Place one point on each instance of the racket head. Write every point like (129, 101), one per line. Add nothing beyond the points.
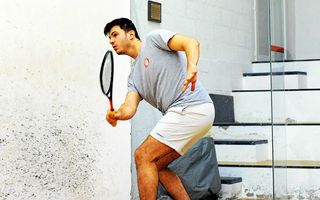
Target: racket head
(106, 75)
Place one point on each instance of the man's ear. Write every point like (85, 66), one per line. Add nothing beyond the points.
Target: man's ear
(131, 34)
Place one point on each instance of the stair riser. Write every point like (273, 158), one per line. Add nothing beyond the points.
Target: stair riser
(255, 106)
(242, 153)
(241, 132)
(230, 190)
(302, 143)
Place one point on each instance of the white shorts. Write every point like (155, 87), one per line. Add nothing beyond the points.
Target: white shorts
(181, 127)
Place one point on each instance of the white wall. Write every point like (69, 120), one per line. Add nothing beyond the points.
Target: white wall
(54, 141)
(307, 29)
(303, 29)
(290, 30)
(224, 29)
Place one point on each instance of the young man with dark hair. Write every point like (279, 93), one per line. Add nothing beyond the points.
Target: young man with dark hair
(165, 75)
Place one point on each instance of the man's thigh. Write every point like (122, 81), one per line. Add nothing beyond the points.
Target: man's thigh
(152, 150)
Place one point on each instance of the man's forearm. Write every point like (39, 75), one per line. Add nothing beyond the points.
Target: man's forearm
(126, 112)
(192, 50)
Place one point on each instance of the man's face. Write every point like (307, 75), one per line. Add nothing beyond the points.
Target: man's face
(119, 40)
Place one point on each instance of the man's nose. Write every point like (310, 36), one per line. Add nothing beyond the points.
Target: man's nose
(111, 41)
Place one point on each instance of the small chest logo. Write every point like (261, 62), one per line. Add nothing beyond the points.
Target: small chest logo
(146, 62)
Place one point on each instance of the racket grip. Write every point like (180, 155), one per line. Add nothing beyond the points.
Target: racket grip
(111, 105)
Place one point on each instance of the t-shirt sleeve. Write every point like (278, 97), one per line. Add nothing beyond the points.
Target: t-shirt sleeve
(160, 38)
(130, 84)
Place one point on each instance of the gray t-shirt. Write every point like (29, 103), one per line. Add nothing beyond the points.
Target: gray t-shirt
(159, 73)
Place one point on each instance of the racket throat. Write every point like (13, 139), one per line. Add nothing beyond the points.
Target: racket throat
(111, 105)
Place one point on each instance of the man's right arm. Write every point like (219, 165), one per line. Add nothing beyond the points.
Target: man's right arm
(126, 111)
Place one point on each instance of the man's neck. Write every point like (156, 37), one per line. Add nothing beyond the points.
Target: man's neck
(135, 49)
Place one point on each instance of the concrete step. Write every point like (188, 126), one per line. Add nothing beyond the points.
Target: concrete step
(236, 150)
(292, 164)
(230, 180)
(311, 67)
(289, 106)
(289, 140)
(256, 198)
(292, 178)
(231, 187)
(280, 80)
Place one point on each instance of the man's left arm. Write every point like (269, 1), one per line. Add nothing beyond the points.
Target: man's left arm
(191, 47)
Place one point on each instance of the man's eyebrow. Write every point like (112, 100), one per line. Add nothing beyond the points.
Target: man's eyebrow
(110, 34)
(113, 32)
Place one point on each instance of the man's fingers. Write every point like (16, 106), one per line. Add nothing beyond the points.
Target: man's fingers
(111, 117)
(114, 123)
(191, 79)
(117, 115)
(112, 114)
(184, 89)
(185, 86)
(193, 86)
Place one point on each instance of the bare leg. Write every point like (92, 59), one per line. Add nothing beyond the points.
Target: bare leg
(169, 179)
(150, 157)
(145, 157)
(173, 184)
(147, 181)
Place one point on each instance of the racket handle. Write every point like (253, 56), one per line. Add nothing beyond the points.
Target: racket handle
(111, 105)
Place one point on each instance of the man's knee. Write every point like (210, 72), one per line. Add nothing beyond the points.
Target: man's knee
(141, 156)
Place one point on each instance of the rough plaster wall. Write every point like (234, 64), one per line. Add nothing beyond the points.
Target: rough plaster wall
(54, 142)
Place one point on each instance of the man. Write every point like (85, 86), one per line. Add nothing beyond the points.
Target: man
(164, 75)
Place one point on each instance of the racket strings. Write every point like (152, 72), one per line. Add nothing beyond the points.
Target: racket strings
(107, 74)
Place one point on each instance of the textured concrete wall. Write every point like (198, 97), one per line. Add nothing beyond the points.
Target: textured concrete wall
(54, 141)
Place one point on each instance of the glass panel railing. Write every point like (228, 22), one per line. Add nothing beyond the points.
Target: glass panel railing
(278, 107)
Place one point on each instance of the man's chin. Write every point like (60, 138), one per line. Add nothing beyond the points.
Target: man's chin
(119, 52)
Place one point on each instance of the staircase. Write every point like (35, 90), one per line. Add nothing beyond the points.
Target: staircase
(243, 131)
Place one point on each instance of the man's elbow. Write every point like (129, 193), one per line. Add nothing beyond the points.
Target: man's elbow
(195, 42)
(198, 43)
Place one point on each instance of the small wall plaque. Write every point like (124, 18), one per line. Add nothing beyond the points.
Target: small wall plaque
(154, 11)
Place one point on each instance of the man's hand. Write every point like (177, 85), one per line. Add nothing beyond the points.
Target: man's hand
(191, 47)
(192, 71)
(112, 117)
(126, 110)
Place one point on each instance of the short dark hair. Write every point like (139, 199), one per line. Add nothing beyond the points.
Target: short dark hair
(124, 23)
